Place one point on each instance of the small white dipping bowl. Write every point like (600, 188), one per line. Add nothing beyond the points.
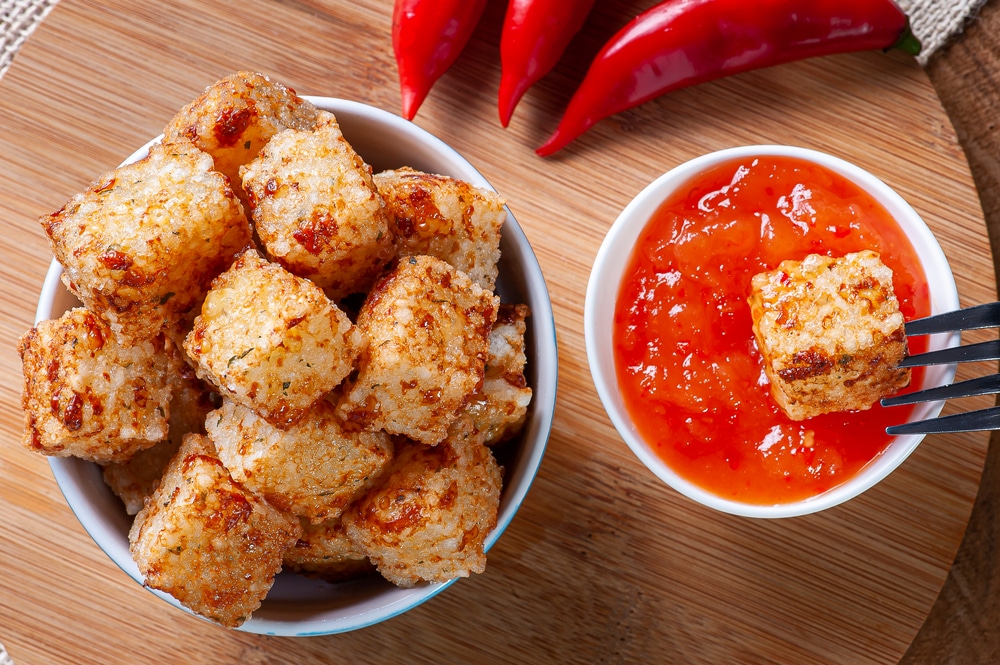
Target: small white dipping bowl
(300, 606)
(609, 270)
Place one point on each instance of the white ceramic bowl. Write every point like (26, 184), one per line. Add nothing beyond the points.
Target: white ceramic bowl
(296, 605)
(608, 272)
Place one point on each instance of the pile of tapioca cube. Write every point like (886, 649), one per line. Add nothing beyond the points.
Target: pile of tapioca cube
(281, 358)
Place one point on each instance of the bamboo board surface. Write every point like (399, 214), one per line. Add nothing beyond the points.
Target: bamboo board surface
(603, 563)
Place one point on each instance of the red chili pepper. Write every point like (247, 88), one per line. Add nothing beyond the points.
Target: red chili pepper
(679, 43)
(535, 34)
(427, 36)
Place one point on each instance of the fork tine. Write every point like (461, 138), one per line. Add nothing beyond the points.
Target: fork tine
(980, 316)
(957, 354)
(970, 421)
(982, 385)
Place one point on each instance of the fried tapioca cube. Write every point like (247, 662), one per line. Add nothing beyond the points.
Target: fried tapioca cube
(313, 468)
(324, 551)
(135, 479)
(447, 218)
(191, 399)
(88, 395)
(429, 519)
(427, 326)
(120, 241)
(500, 407)
(830, 332)
(206, 540)
(316, 210)
(236, 116)
(270, 340)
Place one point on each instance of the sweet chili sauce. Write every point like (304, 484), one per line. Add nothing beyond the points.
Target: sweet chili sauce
(687, 362)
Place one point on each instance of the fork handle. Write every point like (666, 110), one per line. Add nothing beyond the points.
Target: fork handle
(970, 421)
(981, 385)
(980, 316)
(957, 354)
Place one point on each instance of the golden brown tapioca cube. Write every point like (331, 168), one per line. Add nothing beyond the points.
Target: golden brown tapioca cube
(428, 521)
(141, 246)
(830, 332)
(500, 407)
(206, 540)
(191, 399)
(88, 395)
(447, 218)
(236, 116)
(270, 340)
(324, 551)
(135, 479)
(316, 210)
(313, 468)
(427, 326)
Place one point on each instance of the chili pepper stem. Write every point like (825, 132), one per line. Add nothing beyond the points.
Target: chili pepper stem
(908, 42)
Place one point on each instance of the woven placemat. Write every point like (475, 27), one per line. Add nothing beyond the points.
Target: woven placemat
(934, 22)
(18, 18)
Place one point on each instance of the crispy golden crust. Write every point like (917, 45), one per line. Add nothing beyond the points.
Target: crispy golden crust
(235, 117)
(427, 327)
(447, 218)
(313, 469)
(87, 395)
(181, 307)
(324, 551)
(206, 540)
(830, 332)
(316, 210)
(191, 399)
(119, 241)
(499, 409)
(429, 520)
(270, 340)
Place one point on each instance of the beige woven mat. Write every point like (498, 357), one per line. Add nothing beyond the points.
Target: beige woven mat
(18, 18)
(934, 23)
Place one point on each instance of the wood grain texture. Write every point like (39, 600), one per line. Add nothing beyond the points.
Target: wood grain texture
(603, 563)
(962, 628)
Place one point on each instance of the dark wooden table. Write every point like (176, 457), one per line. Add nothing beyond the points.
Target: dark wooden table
(964, 626)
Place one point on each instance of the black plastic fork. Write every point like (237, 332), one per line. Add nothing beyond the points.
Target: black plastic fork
(980, 316)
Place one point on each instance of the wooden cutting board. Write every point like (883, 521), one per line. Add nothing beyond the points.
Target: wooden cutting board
(603, 563)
